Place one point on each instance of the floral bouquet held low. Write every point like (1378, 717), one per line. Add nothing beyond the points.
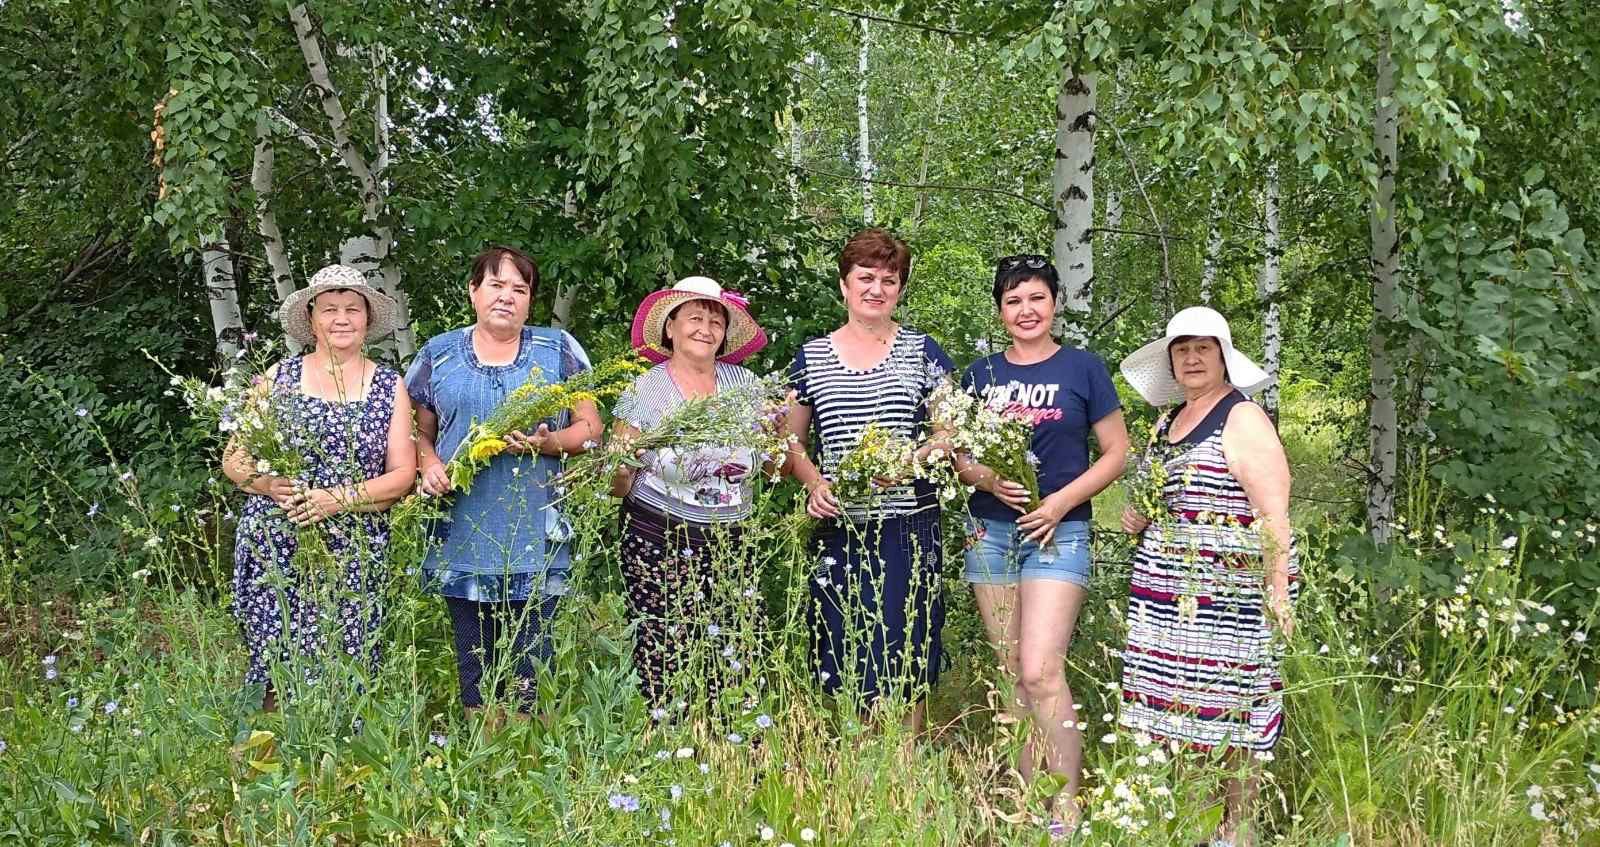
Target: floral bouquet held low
(747, 416)
(878, 459)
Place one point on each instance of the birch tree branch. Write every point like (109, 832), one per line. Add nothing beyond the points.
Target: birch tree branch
(338, 121)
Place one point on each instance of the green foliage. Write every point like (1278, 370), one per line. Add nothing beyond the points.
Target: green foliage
(1510, 313)
(201, 124)
(1416, 714)
(950, 298)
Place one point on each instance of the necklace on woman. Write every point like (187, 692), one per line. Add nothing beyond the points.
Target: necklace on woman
(691, 383)
(881, 336)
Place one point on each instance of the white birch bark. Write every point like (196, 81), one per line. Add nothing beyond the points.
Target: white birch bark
(369, 254)
(796, 139)
(261, 176)
(227, 323)
(1267, 286)
(1382, 429)
(1072, 184)
(864, 129)
(566, 295)
(1213, 257)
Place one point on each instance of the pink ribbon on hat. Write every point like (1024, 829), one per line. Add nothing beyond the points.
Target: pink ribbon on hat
(736, 298)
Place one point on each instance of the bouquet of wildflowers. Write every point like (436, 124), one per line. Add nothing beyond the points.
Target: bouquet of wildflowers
(879, 454)
(744, 416)
(1000, 440)
(250, 416)
(531, 403)
(1146, 478)
(246, 413)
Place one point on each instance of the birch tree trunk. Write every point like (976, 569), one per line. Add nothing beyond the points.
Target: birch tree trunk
(226, 320)
(796, 140)
(864, 129)
(1072, 184)
(1267, 286)
(1213, 257)
(369, 254)
(261, 177)
(566, 295)
(1383, 430)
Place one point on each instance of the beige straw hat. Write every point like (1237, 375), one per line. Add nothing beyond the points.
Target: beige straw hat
(383, 314)
(744, 336)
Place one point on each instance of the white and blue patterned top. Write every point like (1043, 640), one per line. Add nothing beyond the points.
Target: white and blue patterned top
(893, 394)
(503, 540)
(705, 485)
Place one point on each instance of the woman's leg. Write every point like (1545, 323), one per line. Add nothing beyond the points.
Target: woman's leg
(526, 627)
(997, 604)
(649, 561)
(1238, 826)
(474, 633)
(1047, 611)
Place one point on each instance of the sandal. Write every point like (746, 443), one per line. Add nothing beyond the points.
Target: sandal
(1059, 830)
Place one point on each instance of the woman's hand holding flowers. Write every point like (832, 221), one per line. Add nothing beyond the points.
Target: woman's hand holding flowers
(280, 489)
(523, 444)
(435, 479)
(315, 505)
(1040, 524)
(1013, 494)
(1134, 521)
(821, 504)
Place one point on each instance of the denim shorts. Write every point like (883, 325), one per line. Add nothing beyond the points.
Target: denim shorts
(999, 553)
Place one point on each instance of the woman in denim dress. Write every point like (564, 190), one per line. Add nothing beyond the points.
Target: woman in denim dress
(501, 557)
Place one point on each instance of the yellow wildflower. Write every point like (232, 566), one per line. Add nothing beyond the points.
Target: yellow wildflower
(485, 449)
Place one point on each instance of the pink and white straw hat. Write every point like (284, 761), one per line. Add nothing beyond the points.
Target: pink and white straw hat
(744, 336)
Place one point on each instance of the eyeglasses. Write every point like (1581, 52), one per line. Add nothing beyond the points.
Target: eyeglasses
(1031, 261)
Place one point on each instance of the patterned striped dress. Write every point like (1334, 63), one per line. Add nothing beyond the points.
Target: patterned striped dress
(1201, 666)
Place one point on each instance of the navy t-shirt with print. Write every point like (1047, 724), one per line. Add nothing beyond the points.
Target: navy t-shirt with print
(1065, 395)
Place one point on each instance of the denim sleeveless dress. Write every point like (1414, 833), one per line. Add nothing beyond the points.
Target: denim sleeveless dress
(504, 540)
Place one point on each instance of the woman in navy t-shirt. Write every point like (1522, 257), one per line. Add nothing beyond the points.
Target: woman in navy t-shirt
(1030, 568)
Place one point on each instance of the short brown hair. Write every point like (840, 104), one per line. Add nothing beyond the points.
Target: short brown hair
(490, 258)
(875, 248)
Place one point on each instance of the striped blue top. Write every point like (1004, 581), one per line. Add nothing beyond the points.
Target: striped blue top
(892, 393)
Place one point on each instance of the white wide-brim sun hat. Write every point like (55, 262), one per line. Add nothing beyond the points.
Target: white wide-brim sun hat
(1149, 369)
(383, 313)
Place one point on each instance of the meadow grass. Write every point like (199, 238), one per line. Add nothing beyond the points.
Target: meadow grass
(1416, 716)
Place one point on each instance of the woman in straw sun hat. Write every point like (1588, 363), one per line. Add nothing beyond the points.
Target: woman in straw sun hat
(1214, 573)
(680, 508)
(355, 430)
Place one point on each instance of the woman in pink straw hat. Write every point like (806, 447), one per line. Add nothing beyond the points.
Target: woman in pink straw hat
(680, 508)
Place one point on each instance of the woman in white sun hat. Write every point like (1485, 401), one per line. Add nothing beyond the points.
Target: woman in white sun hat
(353, 426)
(1214, 573)
(680, 508)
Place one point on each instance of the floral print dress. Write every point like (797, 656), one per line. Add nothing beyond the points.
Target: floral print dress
(289, 612)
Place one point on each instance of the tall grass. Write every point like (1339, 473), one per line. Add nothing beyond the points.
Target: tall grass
(1461, 714)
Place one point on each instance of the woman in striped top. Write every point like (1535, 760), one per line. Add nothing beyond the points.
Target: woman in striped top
(1214, 574)
(875, 611)
(682, 510)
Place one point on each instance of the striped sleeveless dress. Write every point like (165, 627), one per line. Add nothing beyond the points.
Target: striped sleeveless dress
(1201, 666)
